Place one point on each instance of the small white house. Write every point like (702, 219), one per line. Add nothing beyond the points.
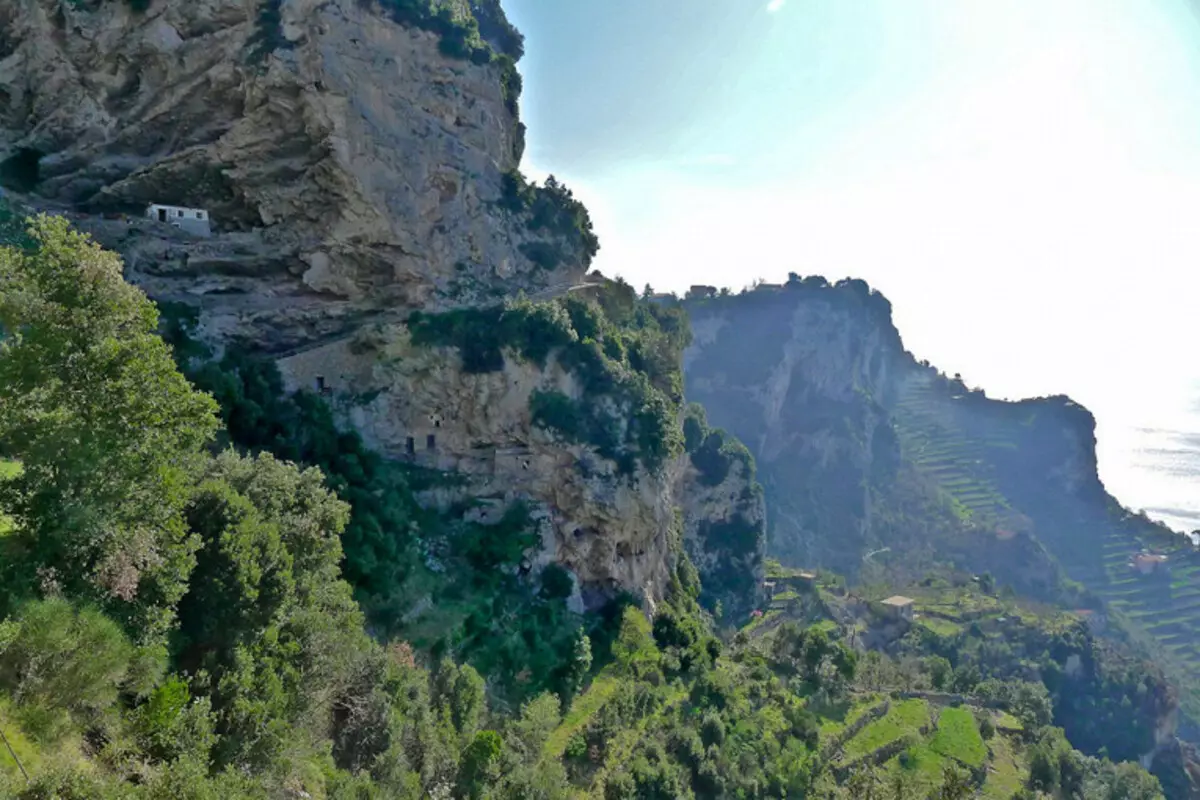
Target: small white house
(191, 220)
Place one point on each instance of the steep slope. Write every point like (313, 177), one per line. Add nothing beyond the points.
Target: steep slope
(358, 161)
(878, 466)
(356, 158)
(799, 383)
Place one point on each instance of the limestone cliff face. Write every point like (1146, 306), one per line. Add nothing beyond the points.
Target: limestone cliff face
(724, 532)
(356, 168)
(800, 374)
(351, 168)
(612, 531)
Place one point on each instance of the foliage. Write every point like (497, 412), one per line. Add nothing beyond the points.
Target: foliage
(483, 612)
(252, 675)
(550, 209)
(56, 660)
(88, 389)
(713, 451)
(458, 34)
(1103, 697)
(625, 353)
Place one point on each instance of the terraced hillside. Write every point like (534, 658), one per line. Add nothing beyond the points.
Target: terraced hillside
(1007, 470)
(913, 741)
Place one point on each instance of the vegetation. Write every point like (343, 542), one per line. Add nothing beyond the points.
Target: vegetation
(458, 34)
(958, 737)
(183, 620)
(552, 210)
(713, 451)
(398, 556)
(625, 354)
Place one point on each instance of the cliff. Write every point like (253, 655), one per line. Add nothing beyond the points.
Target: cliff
(724, 516)
(800, 376)
(358, 161)
(881, 467)
(352, 165)
(421, 404)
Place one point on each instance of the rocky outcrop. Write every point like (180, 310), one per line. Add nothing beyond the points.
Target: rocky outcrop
(724, 530)
(613, 531)
(724, 517)
(352, 168)
(800, 374)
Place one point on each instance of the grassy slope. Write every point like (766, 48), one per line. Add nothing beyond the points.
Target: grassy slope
(958, 737)
(583, 708)
(904, 717)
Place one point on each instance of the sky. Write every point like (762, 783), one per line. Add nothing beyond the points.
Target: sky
(1019, 177)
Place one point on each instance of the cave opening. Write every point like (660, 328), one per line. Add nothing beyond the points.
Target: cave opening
(22, 171)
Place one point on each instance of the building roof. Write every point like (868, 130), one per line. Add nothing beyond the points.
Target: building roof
(898, 601)
(808, 576)
(1148, 558)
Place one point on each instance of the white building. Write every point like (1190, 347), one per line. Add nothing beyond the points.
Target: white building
(191, 220)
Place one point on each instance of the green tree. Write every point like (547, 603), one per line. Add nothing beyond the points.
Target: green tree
(108, 432)
(939, 671)
(634, 648)
(1131, 782)
(268, 618)
(58, 660)
(480, 763)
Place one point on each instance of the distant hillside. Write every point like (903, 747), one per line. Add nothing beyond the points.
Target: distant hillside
(879, 466)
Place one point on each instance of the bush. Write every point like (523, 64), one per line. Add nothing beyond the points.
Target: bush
(551, 209)
(458, 36)
(60, 660)
(556, 412)
(632, 392)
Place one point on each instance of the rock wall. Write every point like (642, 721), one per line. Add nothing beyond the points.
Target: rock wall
(874, 463)
(350, 167)
(418, 404)
(800, 374)
(718, 521)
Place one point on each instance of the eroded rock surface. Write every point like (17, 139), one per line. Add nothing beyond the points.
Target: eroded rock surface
(351, 168)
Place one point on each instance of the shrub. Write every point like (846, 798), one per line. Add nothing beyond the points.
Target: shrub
(632, 393)
(551, 209)
(458, 36)
(62, 660)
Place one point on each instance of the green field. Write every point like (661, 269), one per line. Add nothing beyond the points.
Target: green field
(837, 720)
(954, 742)
(941, 627)
(905, 717)
(1005, 776)
(958, 737)
(920, 767)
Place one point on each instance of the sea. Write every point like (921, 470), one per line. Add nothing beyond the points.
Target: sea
(1149, 457)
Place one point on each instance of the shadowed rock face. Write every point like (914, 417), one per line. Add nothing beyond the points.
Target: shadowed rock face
(350, 167)
(800, 376)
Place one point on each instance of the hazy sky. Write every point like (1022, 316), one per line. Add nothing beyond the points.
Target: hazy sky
(1020, 177)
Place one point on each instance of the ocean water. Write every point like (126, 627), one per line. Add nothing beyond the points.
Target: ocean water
(1150, 459)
